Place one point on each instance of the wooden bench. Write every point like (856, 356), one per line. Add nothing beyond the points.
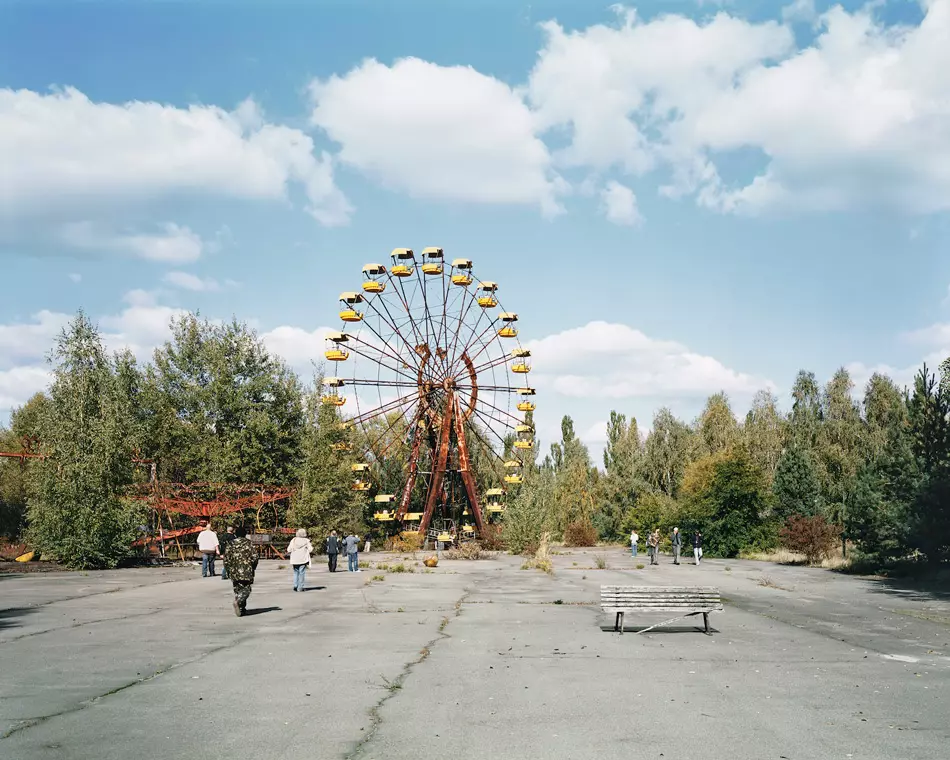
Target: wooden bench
(687, 600)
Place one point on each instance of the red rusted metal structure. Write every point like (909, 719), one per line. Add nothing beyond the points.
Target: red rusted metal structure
(436, 370)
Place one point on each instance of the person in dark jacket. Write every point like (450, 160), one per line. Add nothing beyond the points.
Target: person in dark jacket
(241, 562)
(224, 542)
(677, 541)
(697, 546)
(333, 550)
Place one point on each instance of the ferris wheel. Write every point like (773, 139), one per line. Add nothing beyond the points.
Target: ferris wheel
(431, 381)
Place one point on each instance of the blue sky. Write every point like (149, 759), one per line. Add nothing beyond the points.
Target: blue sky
(700, 196)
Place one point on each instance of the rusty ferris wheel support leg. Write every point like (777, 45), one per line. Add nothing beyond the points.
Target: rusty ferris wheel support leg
(465, 471)
(439, 465)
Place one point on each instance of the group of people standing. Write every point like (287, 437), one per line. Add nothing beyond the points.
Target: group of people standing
(676, 541)
(240, 558)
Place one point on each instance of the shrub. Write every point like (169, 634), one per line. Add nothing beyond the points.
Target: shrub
(407, 541)
(580, 533)
(601, 561)
(470, 550)
(492, 539)
(812, 536)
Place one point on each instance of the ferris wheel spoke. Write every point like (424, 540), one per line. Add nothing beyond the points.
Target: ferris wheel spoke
(378, 361)
(473, 299)
(397, 283)
(493, 388)
(382, 383)
(389, 406)
(389, 428)
(492, 363)
(481, 439)
(502, 411)
(396, 331)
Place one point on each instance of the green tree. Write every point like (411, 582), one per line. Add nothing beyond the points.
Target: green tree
(325, 499)
(532, 511)
(929, 413)
(717, 427)
(622, 483)
(221, 408)
(796, 489)
(667, 452)
(764, 434)
(77, 512)
(735, 504)
(15, 473)
(574, 498)
(805, 419)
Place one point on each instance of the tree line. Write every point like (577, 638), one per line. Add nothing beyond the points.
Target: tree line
(214, 405)
(873, 474)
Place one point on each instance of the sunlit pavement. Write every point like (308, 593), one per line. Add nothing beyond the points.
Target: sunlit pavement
(473, 660)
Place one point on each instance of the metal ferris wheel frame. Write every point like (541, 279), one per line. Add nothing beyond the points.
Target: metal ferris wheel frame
(437, 339)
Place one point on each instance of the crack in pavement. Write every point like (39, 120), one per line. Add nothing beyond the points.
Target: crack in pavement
(151, 611)
(393, 687)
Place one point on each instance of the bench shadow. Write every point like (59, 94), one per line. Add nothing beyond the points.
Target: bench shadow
(661, 629)
(315, 588)
(261, 610)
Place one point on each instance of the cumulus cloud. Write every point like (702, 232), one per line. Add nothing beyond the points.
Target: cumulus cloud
(64, 155)
(18, 384)
(800, 10)
(300, 348)
(860, 117)
(444, 132)
(171, 244)
(188, 281)
(620, 204)
(603, 360)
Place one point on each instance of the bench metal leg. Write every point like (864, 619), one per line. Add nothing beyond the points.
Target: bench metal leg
(618, 622)
(706, 621)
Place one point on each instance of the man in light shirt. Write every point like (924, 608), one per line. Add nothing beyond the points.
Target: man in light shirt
(209, 548)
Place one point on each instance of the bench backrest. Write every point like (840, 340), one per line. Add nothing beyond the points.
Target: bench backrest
(660, 597)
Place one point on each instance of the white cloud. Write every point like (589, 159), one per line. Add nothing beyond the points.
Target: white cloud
(188, 281)
(62, 151)
(620, 204)
(603, 360)
(75, 277)
(935, 336)
(299, 348)
(445, 132)
(18, 384)
(860, 117)
(30, 339)
(172, 244)
(800, 10)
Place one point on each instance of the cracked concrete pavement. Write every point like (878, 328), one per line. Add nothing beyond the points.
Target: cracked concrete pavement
(475, 659)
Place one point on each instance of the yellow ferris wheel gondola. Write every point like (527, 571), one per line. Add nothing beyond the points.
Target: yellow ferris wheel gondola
(525, 436)
(432, 261)
(360, 471)
(335, 351)
(373, 283)
(509, 330)
(385, 515)
(462, 272)
(403, 262)
(332, 394)
(521, 364)
(513, 470)
(350, 299)
(488, 289)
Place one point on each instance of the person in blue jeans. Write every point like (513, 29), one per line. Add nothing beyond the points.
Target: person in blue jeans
(634, 540)
(299, 550)
(352, 546)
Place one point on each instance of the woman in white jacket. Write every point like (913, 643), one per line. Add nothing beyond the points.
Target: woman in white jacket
(300, 550)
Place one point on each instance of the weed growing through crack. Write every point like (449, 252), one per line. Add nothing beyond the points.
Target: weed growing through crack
(639, 565)
(601, 561)
(728, 569)
(378, 578)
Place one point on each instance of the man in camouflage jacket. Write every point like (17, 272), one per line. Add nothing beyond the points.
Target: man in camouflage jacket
(241, 562)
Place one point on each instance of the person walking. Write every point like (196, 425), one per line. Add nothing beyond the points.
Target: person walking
(369, 538)
(697, 546)
(352, 546)
(634, 540)
(225, 542)
(300, 550)
(208, 546)
(333, 550)
(677, 541)
(653, 540)
(241, 562)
